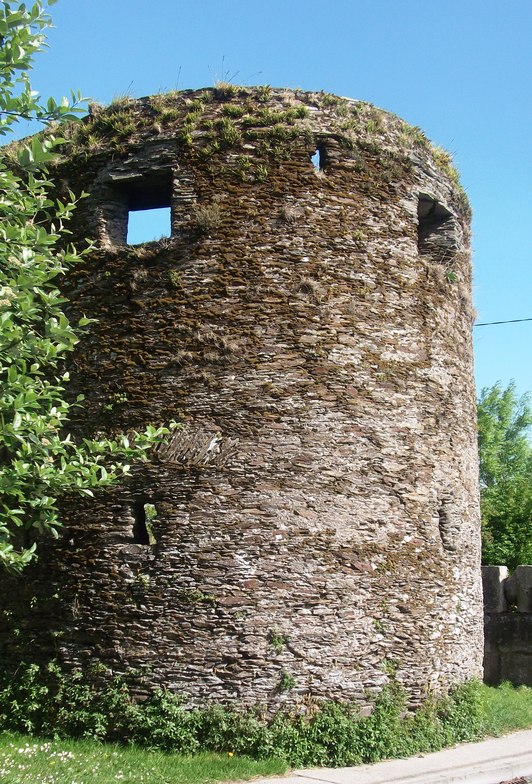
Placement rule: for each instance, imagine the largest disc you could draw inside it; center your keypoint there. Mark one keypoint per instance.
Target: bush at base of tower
(47, 702)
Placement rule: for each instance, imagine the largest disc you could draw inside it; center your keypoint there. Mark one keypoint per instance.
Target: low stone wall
(507, 625)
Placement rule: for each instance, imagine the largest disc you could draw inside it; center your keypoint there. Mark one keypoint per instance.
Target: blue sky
(460, 69)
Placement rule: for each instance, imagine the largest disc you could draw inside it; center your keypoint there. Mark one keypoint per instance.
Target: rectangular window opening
(144, 513)
(319, 157)
(138, 208)
(148, 225)
(436, 238)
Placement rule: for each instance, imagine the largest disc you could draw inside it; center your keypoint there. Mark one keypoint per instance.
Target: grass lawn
(26, 760)
(506, 708)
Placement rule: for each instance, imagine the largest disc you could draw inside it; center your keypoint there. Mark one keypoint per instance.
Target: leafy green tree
(505, 453)
(40, 462)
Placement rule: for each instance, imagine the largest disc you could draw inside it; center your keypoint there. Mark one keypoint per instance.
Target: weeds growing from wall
(207, 217)
(226, 117)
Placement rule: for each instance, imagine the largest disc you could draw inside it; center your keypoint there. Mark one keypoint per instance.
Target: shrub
(163, 723)
(48, 702)
(45, 701)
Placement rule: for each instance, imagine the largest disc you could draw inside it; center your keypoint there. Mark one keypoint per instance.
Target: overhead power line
(490, 323)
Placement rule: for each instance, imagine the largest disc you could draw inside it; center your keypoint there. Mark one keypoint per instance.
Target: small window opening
(144, 515)
(319, 158)
(148, 225)
(436, 236)
(138, 208)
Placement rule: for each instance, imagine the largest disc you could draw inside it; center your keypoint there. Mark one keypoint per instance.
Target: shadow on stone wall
(507, 625)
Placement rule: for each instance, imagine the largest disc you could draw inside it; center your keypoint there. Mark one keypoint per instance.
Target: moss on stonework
(315, 348)
(212, 122)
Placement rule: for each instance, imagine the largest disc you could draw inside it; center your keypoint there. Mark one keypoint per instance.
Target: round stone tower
(313, 526)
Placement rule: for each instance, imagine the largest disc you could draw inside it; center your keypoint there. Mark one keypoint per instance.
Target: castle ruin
(313, 526)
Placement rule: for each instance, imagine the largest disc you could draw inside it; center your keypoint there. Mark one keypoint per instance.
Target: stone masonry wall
(507, 625)
(309, 324)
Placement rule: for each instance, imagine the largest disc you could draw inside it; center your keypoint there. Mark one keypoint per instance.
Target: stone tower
(314, 524)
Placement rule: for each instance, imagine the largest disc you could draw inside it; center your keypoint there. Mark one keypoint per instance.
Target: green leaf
(505, 454)
(41, 460)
